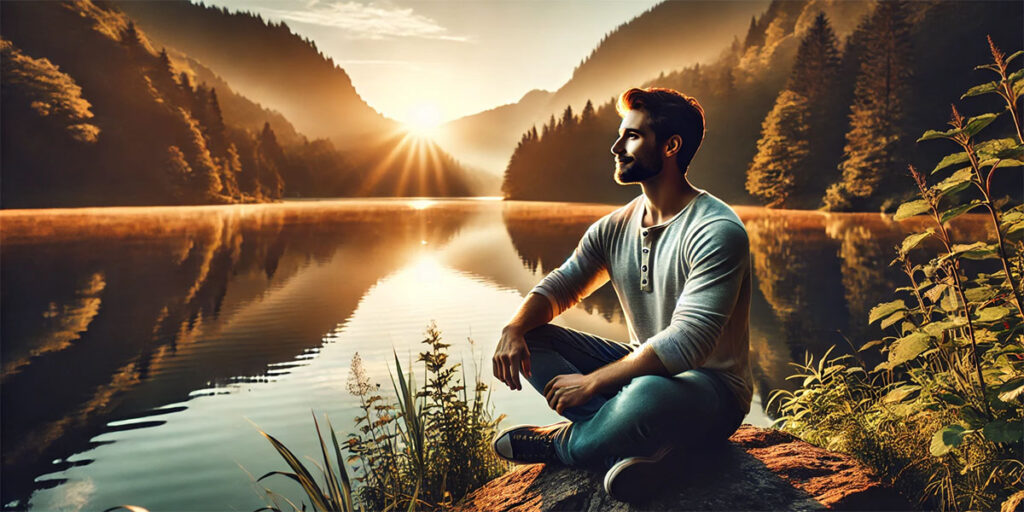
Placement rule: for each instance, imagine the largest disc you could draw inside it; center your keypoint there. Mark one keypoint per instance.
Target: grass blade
(316, 496)
(332, 483)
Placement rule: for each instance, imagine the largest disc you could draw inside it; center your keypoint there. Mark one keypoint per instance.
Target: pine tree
(567, 118)
(130, 36)
(270, 160)
(185, 83)
(779, 167)
(871, 152)
(215, 128)
(163, 76)
(817, 62)
(755, 35)
(588, 113)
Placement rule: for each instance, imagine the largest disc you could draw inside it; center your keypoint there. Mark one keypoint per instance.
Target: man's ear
(673, 145)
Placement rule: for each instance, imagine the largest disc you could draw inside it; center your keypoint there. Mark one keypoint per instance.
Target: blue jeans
(691, 409)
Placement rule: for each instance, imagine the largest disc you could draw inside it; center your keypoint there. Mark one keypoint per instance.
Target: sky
(429, 61)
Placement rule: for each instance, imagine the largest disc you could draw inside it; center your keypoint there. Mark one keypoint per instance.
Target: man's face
(636, 151)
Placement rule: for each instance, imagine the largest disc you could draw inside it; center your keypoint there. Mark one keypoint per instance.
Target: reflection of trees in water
(91, 313)
(795, 268)
(864, 253)
(797, 306)
(544, 239)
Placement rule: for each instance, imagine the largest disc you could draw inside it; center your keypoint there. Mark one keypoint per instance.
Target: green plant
(424, 448)
(429, 447)
(336, 493)
(943, 413)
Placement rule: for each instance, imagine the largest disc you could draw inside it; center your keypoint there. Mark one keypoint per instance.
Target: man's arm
(582, 273)
(570, 390)
(511, 355)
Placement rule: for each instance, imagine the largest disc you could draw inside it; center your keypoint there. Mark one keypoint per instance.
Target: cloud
(367, 21)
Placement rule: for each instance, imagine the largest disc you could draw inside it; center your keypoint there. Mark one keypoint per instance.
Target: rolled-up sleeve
(718, 257)
(584, 271)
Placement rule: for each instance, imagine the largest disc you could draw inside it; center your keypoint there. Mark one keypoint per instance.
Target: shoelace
(532, 445)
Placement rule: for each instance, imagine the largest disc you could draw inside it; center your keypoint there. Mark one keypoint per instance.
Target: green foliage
(942, 413)
(424, 448)
(782, 151)
(336, 493)
(429, 447)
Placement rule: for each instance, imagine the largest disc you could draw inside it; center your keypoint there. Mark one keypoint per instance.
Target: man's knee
(542, 336)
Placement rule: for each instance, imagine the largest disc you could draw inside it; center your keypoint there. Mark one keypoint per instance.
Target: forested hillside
(780, 103)
(94, 113)
(266, 62)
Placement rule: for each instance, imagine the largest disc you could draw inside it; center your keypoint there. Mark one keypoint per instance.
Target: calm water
(143, 347)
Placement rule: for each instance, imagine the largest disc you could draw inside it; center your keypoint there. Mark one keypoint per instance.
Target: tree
(567, 118)
(779, 167)
(270, 160)
(871, 154)
(755, 35)
(130, 36)
(215, 126)
(588, 113)
(817, 61)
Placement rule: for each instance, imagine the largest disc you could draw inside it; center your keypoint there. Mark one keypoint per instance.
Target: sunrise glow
(423, 120)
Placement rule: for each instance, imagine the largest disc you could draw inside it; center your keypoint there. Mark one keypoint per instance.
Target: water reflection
(97, 309)
(135, 341)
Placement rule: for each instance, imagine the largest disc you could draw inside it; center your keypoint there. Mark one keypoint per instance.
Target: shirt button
(643, 282)
(646, 250)
(645, 233)
(644, 268)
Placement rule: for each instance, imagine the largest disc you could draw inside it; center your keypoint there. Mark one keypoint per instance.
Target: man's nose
(616, 148)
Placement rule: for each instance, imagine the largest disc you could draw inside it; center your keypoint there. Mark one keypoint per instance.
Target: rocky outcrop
(760, 469)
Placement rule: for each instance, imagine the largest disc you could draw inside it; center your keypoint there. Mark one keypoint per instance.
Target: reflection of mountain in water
(546, 235)
(94, 316)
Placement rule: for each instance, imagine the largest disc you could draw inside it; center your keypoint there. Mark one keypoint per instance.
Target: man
(678, 259)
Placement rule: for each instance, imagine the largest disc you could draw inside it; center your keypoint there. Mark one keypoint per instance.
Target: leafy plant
(942, 414)
(424, 448)
(431, 446)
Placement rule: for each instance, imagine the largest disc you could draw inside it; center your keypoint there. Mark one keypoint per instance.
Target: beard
(634, 171)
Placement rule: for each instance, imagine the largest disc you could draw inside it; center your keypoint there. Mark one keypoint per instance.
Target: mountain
(669, 36)
(266, 62)
(478, 139)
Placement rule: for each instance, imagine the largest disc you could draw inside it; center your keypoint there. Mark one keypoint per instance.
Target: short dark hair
(671, 112)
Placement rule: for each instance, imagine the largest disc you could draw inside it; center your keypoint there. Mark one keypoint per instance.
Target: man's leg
(558, 351)
(650, 413)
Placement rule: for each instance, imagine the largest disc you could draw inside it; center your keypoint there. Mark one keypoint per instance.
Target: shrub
(942, 414)
(424, 448)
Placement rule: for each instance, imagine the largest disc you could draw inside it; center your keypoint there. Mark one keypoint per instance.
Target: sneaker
(634, 478)
(528, 444)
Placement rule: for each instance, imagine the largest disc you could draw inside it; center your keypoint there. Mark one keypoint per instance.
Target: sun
(423, 120)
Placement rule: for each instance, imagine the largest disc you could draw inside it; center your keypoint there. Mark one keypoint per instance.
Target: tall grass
(424, 447)
(942, 415)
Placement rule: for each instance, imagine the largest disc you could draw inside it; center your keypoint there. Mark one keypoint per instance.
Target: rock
(759, 469)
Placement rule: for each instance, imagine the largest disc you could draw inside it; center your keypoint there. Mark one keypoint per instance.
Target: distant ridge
(660, 40)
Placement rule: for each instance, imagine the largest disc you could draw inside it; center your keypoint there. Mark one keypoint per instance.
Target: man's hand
(510, 357)
(569, 390)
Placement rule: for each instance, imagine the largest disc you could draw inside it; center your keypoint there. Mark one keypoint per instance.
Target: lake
(143, 348)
